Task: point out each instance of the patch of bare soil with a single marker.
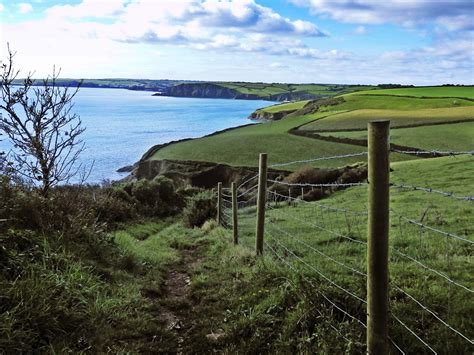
(175, 307)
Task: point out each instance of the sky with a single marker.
(419, 42)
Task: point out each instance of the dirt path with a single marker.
(176, 306)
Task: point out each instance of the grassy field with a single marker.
(437, 91)
(241, 147)
(307, 229)
(285, 107)
(358, 119)
(267, 89)
(454, 137)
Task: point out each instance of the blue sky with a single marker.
(421, 42)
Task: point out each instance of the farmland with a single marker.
(241, 146)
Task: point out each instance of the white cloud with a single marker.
(2, 7)
(404, 12)
(211, 39)
(360, 30)
(24, 8)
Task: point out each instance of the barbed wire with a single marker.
(432, 152)
(434, 315)
(319, 159)
(439, 273)
(339, 235)
(446, 234)
(429, 189)
(319, 252)
(361, 213)
(335, 184)
(247, 181)
(247, 191)
(321, 293)
(319, 271)
(414, 334)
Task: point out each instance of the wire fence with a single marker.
(430, 245)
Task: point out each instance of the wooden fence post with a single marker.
(377, 239)
(261, 200)
(234, 214)
(219, 203)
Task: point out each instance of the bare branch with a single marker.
(39, 123)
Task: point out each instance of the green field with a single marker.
(285, 107)
(437, 91)
(450, 137)
(266, 89)
(241, 147)
(358, 119)
(307, 229)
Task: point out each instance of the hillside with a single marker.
(295, 136)
(258, 91)
(129, 84)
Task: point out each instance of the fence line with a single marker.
(434, 314)
(319, 159)
(317, 270)
(429, 189)
(432, 152)
(335, 184)
(337, 222)
(358, 213)
(436, 230)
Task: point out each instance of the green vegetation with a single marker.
(118, 268)
(265, 90)
(240, 147)
(304, 225)
(450, 137)
(358, 119)
(285, 107)
(434, 91)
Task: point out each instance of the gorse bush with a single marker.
(200, 208)
(157, 197)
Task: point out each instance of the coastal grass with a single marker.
(303, 228)
(241, 146)
(429, 91)
(448, 137)
(358, 119)
(285, 107)
(265, 90)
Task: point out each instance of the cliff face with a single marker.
(272, 116)
(216, 91)
(206, 90)
(310, 107)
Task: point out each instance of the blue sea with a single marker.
(121, 125)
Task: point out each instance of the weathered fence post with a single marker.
(261, 200)
(234, 214)
(219, 203)
(377, 239)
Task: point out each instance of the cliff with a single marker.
(218, 91)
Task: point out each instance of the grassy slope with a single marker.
(457, 136)
(241, 146)
(285, 107)
(358, 119)
(438, 91)
(266, 89)
(449, 256)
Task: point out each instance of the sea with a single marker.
(121, 125)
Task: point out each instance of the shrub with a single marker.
(157, 197)
(200, 208)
